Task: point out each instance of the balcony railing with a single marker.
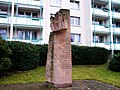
(6, 0)
(33, 41)
(116, 46)
(31, 2)
(116, 15)
(28, 21)
(100, 28)
(116, 30)
(4, 19)
(107, 46)
(5, 38)
(116, 1)
(100, 12)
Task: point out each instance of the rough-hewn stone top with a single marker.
(58, 22)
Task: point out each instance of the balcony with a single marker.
(4, 19)
(33, 41)
(105, 45)
(117, 46)
(116, 30)
(31, 2)
(38, 3)
(116, 1)
(100, 28)
(28, 21)
(100, 12)
(104, 0)
(116, 15)
(5, 0)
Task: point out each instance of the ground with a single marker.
(77, 85)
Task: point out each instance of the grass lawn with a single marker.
(81, 72)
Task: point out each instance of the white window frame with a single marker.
(75, 21)
(97, 39)
(74, 4)
(75, 40)
(55, 2)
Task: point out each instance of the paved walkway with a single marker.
(77, 85)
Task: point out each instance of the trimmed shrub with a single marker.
(83, 55)
(5, 52)
(42, 54)
(4, 49)
(114, 63)
(5, 64)
(25, 55)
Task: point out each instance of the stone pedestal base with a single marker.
(59, 85)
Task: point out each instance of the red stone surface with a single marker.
(59, 63)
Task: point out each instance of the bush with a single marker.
(114, 63)
(42, 54)
(4, 49)
(5, 64)
(5, 52)
(25, 55)
(83, 55)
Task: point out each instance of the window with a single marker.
(28, 14)
(3, 33)
(56, 2)
(116, 39)
(74, 4)
(20, 34)
(21, 13)
(34, 15)
(98, 39)
(27, 35)
(74, 20)
(75, 37)
(34, 35)
(24, 35)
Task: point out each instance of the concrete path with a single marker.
(77, 85)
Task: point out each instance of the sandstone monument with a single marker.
(59, 63)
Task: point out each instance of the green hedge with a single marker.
(114, 63)
(5, 65)
(5, 52)
(42, 54)
(83, 55)
(25, 55)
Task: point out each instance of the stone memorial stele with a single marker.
(59, 63)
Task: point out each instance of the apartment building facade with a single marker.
(21, 20)
(93, 22)
(106, 24)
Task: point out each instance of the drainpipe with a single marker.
(111, 29)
